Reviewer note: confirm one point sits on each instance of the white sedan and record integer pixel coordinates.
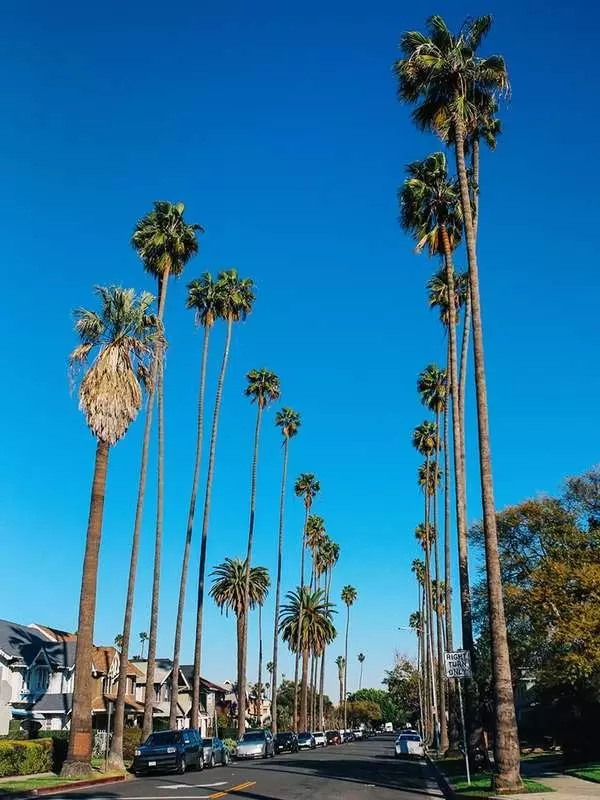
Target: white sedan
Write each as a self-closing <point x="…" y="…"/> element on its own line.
<point x="320" y="738"/>
<point x="409" y="744"/>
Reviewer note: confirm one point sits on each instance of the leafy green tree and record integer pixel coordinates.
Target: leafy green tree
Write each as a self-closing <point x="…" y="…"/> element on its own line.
<point x="443" y="74"/>
<point x="289" y="423"/>
<point x="120" y="340"/>
<point x="364" y="712"/>
<point x="402" y="682"/>
<point x="390" y="711"/>
<point x="235" y="299"/>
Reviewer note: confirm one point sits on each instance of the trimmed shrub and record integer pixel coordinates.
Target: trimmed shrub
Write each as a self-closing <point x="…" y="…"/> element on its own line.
<point x="25" y="758"/>
<point x="131" y="739"/>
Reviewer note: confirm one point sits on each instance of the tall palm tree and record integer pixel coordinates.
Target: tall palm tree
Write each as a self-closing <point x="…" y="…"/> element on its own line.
<point x="328" y="556"/>
<point x="443" y="73"/>
<point x="415" y="622"/>
<point x="349" y="595"/>
<point x="143" y="640"/>
<point x="307" y="487"/>
<point x="289" y="422"/>
<point x="361" y="661"/>
<point x="431" y="211"/>
<point x="259" y="684"/>
<point x="315" y="535"/>
<point x="438" y="298"/>
<point x="165" y="243"/>
<point x="341" y="665"/>
<point x="432" y="387"/>
<point x="120" y="340"/>
<point x="419" y="570"/>
<point x="235" y="298"/>
<point x="263" y="388"/>
<point x="202" y="298"/>
<point x="228" y="590"/>
<point x="270" y="671"/>
<point x="310" y="612"/>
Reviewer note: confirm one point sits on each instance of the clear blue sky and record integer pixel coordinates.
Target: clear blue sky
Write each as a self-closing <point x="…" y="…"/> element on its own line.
<point x="277" y="125"/>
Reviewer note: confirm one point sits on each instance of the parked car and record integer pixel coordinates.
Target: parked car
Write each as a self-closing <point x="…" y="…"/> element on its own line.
<point x="255" y="744"/>
<point x="306" y="741"/>
<point x="320" y="739"/>
<point x="348" y="736"/>
<point x="333" y="737"/>
<point x="358" y="734"/>
<point x="214" y="752"/>
<point x="286" y="742"/>
<point x="409" y="744"/>
<point x="169" y="751"/>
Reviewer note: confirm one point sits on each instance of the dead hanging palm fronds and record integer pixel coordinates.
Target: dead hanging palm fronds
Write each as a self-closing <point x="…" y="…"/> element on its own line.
<point x="125" y="334"/>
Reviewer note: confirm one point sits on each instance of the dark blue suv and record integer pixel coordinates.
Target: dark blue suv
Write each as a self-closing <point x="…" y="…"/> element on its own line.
<point x="169" y="751"/>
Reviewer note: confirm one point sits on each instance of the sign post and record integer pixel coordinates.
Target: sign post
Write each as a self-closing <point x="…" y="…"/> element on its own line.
<point x="458" y="665"/>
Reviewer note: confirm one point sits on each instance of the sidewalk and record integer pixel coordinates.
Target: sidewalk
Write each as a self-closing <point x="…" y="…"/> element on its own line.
<point x="565" y="787"/>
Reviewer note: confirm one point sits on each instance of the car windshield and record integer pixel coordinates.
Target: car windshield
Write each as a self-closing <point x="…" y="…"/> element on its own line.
<point x="409" y="737"/>
<point x="162" y="739"/>
<point x="304" y="735"/>
<point x="207" y="742"/>
<point x="257" y="736"/>
<point x="284" y="737"/>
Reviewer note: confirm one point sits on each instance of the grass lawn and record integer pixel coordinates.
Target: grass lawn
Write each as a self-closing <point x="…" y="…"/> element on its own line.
<point x="481" y="783"/>
<point x="27" y="784"/>
<point x="589" y="772"/>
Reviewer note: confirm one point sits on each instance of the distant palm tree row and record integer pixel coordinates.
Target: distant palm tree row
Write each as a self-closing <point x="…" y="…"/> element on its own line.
<point x="120" y="358"/>
<point x="455" y="93"/>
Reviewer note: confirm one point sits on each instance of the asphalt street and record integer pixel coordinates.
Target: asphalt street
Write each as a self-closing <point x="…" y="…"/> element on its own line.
<point x="347" y="772"/>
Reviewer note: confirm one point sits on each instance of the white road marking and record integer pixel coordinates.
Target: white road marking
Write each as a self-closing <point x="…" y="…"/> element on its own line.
<point x="192" y="785"/>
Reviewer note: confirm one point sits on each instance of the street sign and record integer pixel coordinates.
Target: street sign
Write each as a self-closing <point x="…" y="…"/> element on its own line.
<point x="458" y="664"/>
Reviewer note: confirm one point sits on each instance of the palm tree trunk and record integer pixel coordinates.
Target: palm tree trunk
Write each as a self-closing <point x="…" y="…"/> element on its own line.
<point x="441" y="670"/>
<point x="346" y="669"/>
<point x="297" y="653"/>
<point x="286" y="442"/>
<point x="429" y="609"/>
<point x="241" y="636"/>
<point x="242" y="677"/>
<point x="459" y="474"/>
<point x="79" y="756"/>
<point x="188" y="537"/>
<point x="304" y="701"/>
<point x="115" y="757"/>
<point x="194" y="713"/>
<point x="153" y="634"/>
<point x="506" y="740"/>
<point x="260" y="660"/>
<point x="453" y="731"/>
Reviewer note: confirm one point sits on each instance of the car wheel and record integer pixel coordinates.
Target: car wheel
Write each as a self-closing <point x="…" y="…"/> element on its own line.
<point x="181" y="765"/>
<point x="212" y="760"/>
<point x="200" y="762"/>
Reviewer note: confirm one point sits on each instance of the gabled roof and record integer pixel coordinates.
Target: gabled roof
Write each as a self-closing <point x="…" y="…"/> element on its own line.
<point x="103" y="658"/>
<point x="21" y="644"/>
<point x="162" y="669"/>
<point x="54" y="634"/>
<point x="188" y="673"/>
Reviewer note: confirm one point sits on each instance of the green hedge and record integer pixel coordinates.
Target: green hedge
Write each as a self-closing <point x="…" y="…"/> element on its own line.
<point x="131" y="739"/>
<point x="25" y="758"/>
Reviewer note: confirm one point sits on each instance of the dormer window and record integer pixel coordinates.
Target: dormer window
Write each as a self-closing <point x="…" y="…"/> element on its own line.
<point x="39" y="678"/>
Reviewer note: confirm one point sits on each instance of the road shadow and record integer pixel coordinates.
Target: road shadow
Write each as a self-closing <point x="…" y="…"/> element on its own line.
<point x="378" y="771"/>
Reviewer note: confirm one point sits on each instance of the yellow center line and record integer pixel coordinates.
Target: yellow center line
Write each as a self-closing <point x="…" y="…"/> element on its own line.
<point x="237" y="788"/>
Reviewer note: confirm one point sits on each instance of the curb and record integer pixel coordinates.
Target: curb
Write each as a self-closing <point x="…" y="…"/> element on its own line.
<point x="63" y="787"/>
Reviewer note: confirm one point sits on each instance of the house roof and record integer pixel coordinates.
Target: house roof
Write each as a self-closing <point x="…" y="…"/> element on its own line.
<point x="54" y="634"/>
<point x="21" y="644"/>
<point x="103" y="658"/>
<point x="162" y="668"/>
<point x="99" y="703"/>
<point x="58" y="703"/>
<point x="188" y="673"/>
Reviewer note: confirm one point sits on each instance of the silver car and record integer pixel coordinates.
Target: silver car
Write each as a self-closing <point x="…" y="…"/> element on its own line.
<point x="255" y="744"/>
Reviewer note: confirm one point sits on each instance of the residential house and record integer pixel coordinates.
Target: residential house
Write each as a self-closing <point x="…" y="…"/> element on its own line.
<point x="36" y="675"/>
<point x="105" y="673"/>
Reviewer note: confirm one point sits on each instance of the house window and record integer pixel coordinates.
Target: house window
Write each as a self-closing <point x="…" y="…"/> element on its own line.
<point x="39" y="678"/>
<point x="157" y="693"/>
